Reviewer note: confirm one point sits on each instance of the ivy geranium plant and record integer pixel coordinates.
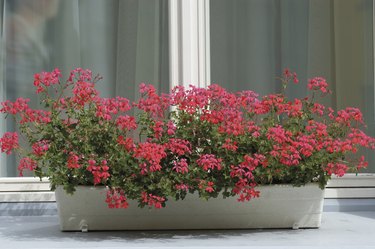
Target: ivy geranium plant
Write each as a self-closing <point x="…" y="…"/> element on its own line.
<point x="204" y="140"/>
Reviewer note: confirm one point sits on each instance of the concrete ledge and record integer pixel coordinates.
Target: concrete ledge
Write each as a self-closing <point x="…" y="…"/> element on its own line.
<point x="349" y="205"/>
<point x="28" y="209"/>
<point x="339" y="230"/>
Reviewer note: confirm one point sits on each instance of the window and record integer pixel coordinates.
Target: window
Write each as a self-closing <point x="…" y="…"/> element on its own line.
<point x="125" y="41"/>
<point x="253" y="41"/>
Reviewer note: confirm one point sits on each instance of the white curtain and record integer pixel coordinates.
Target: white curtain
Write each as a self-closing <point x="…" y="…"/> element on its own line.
<point x="126" y="41"/>
<point x="252" y="41"/>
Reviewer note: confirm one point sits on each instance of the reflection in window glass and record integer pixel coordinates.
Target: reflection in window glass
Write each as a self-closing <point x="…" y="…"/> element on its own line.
<point x="125" y="41"/>
<point x="252" y="41"/>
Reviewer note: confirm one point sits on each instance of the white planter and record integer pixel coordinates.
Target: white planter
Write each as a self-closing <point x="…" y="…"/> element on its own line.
<point x="280" y="206"/>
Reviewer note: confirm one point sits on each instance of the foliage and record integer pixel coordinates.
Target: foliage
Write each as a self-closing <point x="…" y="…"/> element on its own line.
<point x="205" y="140"/>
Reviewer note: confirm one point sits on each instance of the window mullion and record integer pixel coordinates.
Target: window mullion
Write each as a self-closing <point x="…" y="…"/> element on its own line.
<point x="189" y="43"/>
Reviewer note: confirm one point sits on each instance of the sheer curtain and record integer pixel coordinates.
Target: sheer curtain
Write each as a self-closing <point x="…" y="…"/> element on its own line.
<point x="126" y="41"/>
<point x="253" y="40"/>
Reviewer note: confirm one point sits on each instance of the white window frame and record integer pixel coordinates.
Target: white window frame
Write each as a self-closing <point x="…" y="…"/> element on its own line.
<point x="189" y="38"/>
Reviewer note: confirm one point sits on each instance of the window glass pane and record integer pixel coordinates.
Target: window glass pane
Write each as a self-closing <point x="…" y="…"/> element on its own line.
<point x="252" y="41"/>
<point x="125" y="41"/>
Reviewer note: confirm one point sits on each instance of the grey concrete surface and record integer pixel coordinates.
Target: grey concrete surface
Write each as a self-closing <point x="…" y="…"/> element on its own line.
<point x="339" y="230"/>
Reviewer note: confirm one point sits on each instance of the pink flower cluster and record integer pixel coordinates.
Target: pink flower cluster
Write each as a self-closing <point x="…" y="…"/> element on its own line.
<point x="349" y="114"/>
<point x="230" y="145"/>
<point x="189" y="100"/>
<point x="40" y="147"/>
<point x="152" y="154"/>
<point x="290" y="75"/>
<point x="116" y="199"/>
<point x="244" y="172"/>
<point x="46" y="79"/>
<point x="245" y="190"/>
<point x="209" y="162"/>
<point x="73" y="160"/>
<point x="20" y="105"/>
<point x="153" y="200"/>
<point x="83" y="93"/>
<point x="232" y="123"/>
<point x="80" y="75"/>
<point x="183" y="187"/>
<point x="106" y="108"/>
<point x="99" y="172"/>
<point x="318" y="83"/>
<point x="157" y="128"/>
<point x="126" y="143"/>
<point x="179" y="146"/>
<point x="26" y="163"/>
<point x="245" y="169"/>
<point x="27" y="114"/>
<point x="181" y="166"/>
<point x="171" y="128"/>
<point x="9" y="142"/>
<point x="338" y="169"/>
<point x="151" y="102"/>
<point x="126" y="123"/>
<point x="35" y="116"/>
<point x="207" y="186"/>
